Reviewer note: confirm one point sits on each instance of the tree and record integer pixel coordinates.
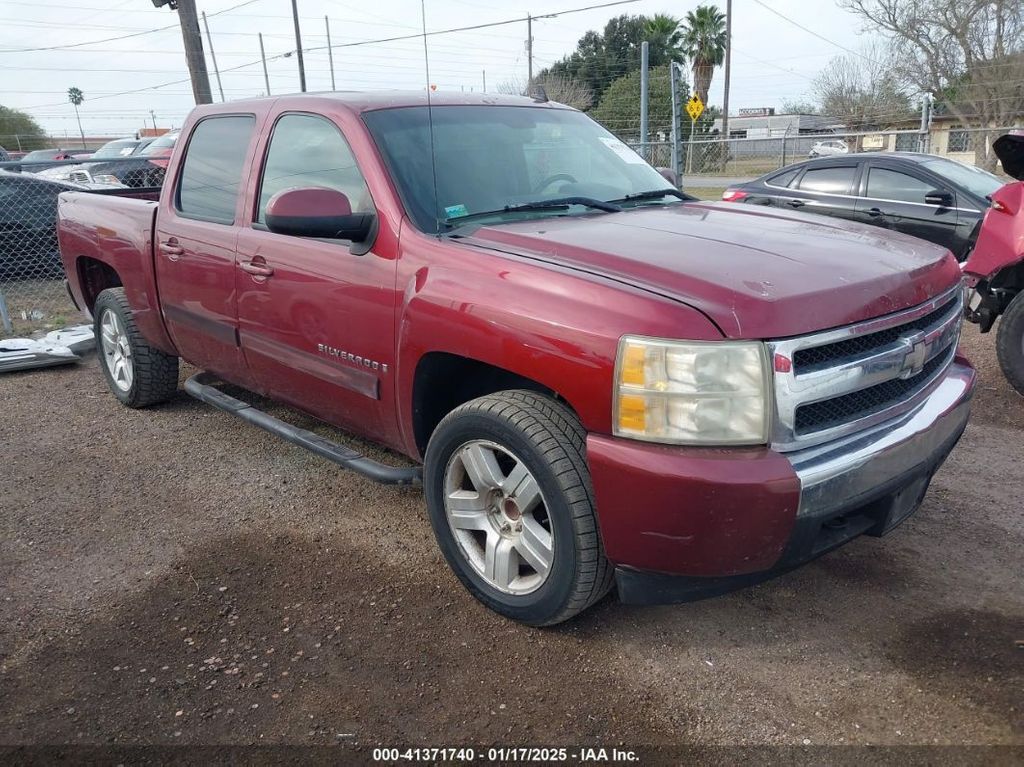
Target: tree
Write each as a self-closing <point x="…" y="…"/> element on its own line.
<point x="619" y="107"/>
<point x="800" y="107"/>
<point x="561" y="88"/>
<point x="968" y="53"/>
<point x="601" y="58"/>
<point x="75" y="97"/>
<point x="861" y="91"/>
<point x="19" y="130"/>
<point x="704" y="44"/>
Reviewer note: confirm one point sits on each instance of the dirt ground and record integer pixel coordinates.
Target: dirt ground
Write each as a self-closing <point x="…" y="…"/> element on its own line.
<point x="176" y="576"/>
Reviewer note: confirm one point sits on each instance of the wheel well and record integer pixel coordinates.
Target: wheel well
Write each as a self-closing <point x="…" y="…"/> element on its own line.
<point x="444" y="381"/>
<point x="95" y="277"/>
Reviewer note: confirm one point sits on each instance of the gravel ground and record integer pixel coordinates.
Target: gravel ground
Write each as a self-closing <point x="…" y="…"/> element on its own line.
<point x="175" y="576"/>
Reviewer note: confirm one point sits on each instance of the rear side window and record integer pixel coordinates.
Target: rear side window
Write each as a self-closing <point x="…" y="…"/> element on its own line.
<point x="212" y="171"/>
<point x="886" y="184"/>
<point x="783" y="179"/>
<point x="835" y="180"/>
<point x="306" y="150"/>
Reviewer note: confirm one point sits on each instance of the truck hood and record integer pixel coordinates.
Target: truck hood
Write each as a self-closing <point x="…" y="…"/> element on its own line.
<point x="754" y="271"/>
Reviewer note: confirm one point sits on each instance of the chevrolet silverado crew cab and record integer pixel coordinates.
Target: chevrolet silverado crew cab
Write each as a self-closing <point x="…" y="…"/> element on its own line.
<point x="601" y="381"/>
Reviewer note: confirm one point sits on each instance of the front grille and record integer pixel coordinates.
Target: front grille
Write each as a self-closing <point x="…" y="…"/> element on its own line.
<point x="849" y="379"/>
<point x="820" y="356"/>
<point x="860" y="404"/>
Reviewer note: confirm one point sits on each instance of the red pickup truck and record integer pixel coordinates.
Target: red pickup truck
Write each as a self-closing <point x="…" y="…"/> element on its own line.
<point x="605" y="381"/>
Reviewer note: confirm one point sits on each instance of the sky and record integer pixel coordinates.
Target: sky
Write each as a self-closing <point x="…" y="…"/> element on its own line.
<point x="773" y="61"/>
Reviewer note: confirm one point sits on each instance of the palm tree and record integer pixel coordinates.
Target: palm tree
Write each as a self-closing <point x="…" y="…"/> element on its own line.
<point x="704" y="44"/>
<point x="666" y="38"/>
<point x="75" y="97"/>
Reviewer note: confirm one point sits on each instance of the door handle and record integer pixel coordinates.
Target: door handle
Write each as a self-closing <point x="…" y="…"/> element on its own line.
<point x="795" y="203"/>
<point x="875" y="212"/>
<point x="171" y="249"/>
<point x="255" y="269"/>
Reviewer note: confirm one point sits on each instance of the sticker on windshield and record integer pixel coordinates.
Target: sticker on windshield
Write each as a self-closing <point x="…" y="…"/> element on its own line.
<point x="622" y="150"/>
<point x="456" y="211"/>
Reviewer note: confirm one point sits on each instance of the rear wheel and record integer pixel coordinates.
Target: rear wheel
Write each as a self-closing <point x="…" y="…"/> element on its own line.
<point x="1010" y="343"/>
<point x="511" y="504"/>
<point x="137" y="373"/>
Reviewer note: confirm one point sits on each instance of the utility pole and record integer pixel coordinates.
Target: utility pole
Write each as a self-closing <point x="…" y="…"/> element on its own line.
<point x="728" y="60"/>
<point x="193" y="42"/>
<point x="485" y="80"/>
<point x="644" y="66"/>
<point x="673" y="71"/>
<point x="529" y="52"/>
<point x="926" y="122"/>
<point x="298" y="46"/>
<point x="263" y="55"/>
<point x="213" y="57"/>
<point x="330" y="53"/>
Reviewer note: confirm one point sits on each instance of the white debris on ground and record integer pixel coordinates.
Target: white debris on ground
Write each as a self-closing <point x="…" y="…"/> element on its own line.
<point x="59" y="347"/>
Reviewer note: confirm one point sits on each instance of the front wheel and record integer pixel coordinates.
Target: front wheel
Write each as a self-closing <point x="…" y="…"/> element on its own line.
<point x="511" y="504"/>
<point x="1010" y="343"/>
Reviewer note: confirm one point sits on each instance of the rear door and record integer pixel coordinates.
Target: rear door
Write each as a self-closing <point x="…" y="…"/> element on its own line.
<point x="195" y="244"/>
<point x="319" y="331"/>
<point x="824" y="189"/>
<point x="894" y="198"/>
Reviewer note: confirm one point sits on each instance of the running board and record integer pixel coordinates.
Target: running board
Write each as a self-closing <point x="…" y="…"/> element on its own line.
<point x="201" y="387"/>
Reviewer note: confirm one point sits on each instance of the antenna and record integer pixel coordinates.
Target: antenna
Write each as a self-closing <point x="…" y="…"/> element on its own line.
<point x="430" y="116"/>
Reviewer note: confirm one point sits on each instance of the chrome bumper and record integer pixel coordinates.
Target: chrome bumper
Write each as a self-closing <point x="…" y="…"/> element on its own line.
<point x="844" y="474"/>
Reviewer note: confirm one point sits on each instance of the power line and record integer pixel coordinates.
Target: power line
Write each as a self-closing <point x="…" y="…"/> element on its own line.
<point x="120" y="37"/>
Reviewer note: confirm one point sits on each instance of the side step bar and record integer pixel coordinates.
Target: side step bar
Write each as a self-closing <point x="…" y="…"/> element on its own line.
<point x="201" y="387"/>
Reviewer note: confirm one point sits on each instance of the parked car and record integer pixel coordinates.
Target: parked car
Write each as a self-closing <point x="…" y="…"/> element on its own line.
<point x="123" y="165"/>
<point x="4" y="156"/>
<point x="828" y="148"/>
<point x="122" y="147"/>
<point x="934" y="198"/>
<point x="41" y="159"/>
<point x="607" y="382"/>
<point x="995" y="268"/>
<point x="28" y="226"/>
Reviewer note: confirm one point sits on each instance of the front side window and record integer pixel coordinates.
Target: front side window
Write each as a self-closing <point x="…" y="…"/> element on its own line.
<point x="212" y="170"/>
<point x="836" y="180"/>
<point x="885" y="184"/>
<point x="310" y="151"/>
<point x="490" y="157"/>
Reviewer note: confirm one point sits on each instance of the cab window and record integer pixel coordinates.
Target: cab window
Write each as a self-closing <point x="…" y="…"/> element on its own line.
<point x="212" y="170"/>
<point x="309" y="151"/>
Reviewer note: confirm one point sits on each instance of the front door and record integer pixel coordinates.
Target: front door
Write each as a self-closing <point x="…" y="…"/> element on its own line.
<point x="895" y="200"/>
<point x="195" y="245"/>
<point x="317" y="332"/>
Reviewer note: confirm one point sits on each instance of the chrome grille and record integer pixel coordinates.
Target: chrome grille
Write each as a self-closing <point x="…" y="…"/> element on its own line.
<point x="831" y="384"/>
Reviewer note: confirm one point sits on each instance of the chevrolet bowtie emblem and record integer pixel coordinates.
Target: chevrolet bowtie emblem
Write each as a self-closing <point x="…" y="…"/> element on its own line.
<point x="916" y="354"/>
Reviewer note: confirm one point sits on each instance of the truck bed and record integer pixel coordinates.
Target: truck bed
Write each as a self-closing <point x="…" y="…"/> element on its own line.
<point x="112" y="229"/>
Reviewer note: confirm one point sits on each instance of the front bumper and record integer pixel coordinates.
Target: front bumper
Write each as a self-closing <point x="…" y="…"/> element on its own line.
<point x="682" y="523"/>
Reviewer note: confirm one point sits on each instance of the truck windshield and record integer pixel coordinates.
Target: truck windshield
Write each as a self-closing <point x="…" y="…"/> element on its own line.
<point x="489" y="158"/>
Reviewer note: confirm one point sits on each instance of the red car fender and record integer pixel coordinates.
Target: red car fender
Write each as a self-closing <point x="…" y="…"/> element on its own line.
<point x="1001" y="237"/>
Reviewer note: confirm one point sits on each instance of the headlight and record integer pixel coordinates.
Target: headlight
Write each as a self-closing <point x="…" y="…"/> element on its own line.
<point x="692" y="393"/>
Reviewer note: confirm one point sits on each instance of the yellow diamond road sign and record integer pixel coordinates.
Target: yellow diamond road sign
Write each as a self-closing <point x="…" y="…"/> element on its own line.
<point x="694" y="107"/>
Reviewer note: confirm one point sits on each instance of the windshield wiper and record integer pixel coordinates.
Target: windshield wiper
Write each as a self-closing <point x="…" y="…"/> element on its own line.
<point x="557" y="203"/>
<point x="653" y="194"/>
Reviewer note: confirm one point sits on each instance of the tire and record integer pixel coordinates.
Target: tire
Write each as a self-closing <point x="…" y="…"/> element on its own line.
<point x="531" y="437"/>
<point x="138" y="374"/>
<point x="1010" y="343"/>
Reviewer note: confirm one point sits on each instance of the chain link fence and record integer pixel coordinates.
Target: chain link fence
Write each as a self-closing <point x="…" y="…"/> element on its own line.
<point x="33" y="297"/>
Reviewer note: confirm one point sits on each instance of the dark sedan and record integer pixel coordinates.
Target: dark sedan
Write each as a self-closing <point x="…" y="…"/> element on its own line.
<point x="930" y="197"/>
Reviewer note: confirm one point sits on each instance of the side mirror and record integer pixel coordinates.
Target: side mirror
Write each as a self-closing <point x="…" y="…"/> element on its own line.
<point x="938" y="197"/>
<point x="670" y="176"/>
<point x="318" y="212"/>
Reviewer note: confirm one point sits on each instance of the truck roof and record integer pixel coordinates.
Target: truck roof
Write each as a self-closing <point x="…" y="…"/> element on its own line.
<point x="367" y="101"/>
